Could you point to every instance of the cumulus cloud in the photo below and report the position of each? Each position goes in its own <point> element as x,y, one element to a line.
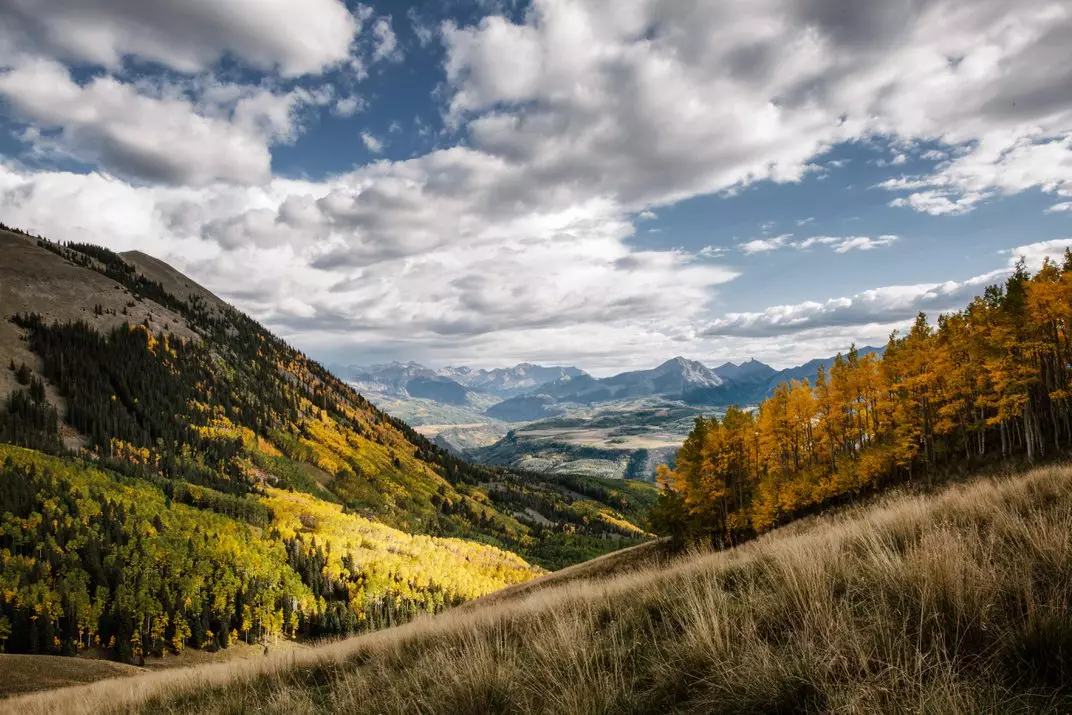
<point>1002,163</point>
<point>938,203</point>
<point>295,36</point>
<point>582,92</point>
<point>425,32</point>
<point>169,137</point>
<point>1060,207</point>
<point>1035,253</point>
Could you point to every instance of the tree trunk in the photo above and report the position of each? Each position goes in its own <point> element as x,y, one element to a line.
<point>1029,436</point>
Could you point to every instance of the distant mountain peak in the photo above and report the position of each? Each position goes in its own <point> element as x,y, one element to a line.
<point>750,370</point>
<point>682,363</point>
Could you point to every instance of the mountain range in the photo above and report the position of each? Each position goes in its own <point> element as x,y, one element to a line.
<point>453,385</point>
<point>527,392</point>
<point>676,379</point>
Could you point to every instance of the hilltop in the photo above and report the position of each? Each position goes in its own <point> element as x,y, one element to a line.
<point>953,602</point>
<point>149,414</point>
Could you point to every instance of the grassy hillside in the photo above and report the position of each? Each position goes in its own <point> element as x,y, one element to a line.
<point>127,372</point>
<point>959,602</point>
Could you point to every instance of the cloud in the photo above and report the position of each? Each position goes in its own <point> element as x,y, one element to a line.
<point>163,137</point>
<point>425,33</point>
<point>844,244</point>
<point>938,203</point>
<point>372,143</point>
<point>764,245</point>
<point>647,215</point>
<point>1063,206</point>
<point>1035,253</point>
<point>189,36</point>
<point>999,164</point>
<point>712,251</point>
<point>386,42</point>
<point>840,244</point>
<point>583,96</point>
<point>348,106</point>
<point>386,251</point>
<point>880,306</point>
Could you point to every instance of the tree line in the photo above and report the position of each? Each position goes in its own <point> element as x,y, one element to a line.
<point>990,382</point>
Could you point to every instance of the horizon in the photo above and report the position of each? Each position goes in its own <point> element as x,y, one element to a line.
<point>606,372</point>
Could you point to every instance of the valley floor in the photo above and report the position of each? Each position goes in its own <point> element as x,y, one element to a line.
<point>957,602</point>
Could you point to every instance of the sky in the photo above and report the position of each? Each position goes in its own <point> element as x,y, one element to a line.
<point>605,183</point>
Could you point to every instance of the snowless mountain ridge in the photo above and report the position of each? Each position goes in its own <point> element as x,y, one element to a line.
<point>678,378</point>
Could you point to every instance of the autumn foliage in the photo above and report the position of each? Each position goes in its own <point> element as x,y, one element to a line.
<point>989,382</point>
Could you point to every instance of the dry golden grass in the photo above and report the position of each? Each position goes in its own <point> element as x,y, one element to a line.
<point>959,602</point>
<point>28,673</point>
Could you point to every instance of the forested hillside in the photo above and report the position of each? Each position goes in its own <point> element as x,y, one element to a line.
<point>94,559</point>
<point>988,383</point>
<point>173,419</point>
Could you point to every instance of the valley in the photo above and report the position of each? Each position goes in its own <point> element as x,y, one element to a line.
<point>619,427</point>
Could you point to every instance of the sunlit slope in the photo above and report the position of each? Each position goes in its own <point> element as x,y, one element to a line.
<point>958,602</point>
<point>146,574</point>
